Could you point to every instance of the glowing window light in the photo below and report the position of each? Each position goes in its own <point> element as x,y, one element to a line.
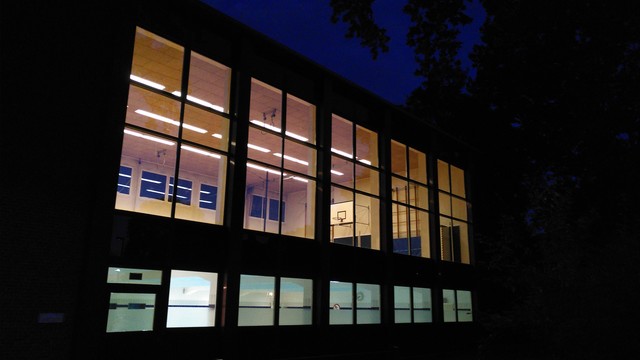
<point>277,129</point>
<point>258,167</point>
<point>259,148</point>
<point>199,151</point>
<point>336,172</point>
<point>148,137</point>
<point>200,101</point>
<point>169,121</point>
<point>217,136</point>
<point>150,83</point>
<point>291,158</point>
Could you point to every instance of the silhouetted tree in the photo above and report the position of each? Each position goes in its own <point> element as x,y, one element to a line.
<point>555,109</point>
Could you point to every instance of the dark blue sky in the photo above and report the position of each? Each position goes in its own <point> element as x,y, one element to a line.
<point>305,27</point>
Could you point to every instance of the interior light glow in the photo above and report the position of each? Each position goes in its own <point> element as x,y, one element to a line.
<point>277,129</point>
<point>180,187</point>
<point>151,181</point>
<point>124,186</point>
<point>291,158</point>
<point>340,152</point>
<point>259,148</point>
<point>155,191</point>
<point>205,192</point>
<point>266,126</point>
<point>124,175</point>
<point>365,161</point>
<point>206,201</point>
<point>217,136</point>
<point>200,151</point>
<point>337,172</point>
<point>200,101</point>
<point>150,83</point>
<point>148,137</point>
<point>258,167</point>
<point>170,121</point>
<point>300,179</point>
<point>296,136</point>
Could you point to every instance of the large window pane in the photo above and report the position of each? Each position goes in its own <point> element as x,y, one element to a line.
<point>263,146</point>
<point>461,239</point>
<point>262,182</point>
<point>192,299</point>
<point>464,307</point>
<point>207,172</point>
<point>449,305</point>
<point>367,216</point>
<point>342,137</point>
<point>209,83</point>
<point>299,158</point>
<point>398,159</point>
<point>157,62</point>
<point>296,297</point>
<point>266,106</point>
<point>400,223</point>
<point>366,146</point>
<point>342,216</point>
<point>367,180</point>
<point>130,312</point>
<point>457,181</point>
<point>205,128</point>
<point>402,304</point>
<point>301,120</point>
<point>342,171</point>
<point>299,196</point>
<point>256,300</point>
<point>417,166</point>
<point>368,303</point>
<point>154,112</point>
<point>341,303</point>
<point>420,233</point>
<point>443,176</point>
<point>422,305</point>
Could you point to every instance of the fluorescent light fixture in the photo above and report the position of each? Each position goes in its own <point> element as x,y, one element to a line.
<point>199,151</point>
<point>266,126</point>
<point>124,175</point>
<point>291,158</point>
<point>200,101</point>
<point>258,167</point>
<point>205,192</point>
<point>300,179</point>
<point>155,191</point>
<point>296,136</point>
<point>169,121</point>
<point>259,148</point>
<point>151,181</point>
<point>340,152</point>
<point>150,83</point>
<point>217,136</point>
<point>124,186</point>
<point>346,154</point>
<point>206,201</point>
<point>337,172</point>
<point>179,187</point>
<point>277,129</point>
<point>148,137</point>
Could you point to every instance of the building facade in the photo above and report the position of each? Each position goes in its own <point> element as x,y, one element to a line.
<point>245,203</point>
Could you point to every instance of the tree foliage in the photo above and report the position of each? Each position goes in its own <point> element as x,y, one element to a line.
<point>555,109</point>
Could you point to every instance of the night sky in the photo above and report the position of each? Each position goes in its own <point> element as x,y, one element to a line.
<point>305,27</point>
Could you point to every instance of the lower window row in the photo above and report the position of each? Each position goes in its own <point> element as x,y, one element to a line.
<point>268,300</point>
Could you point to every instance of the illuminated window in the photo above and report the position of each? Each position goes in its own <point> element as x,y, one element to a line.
<point>281,164</point>
<point>412,304</point>
<point>259,294</point>
<point>164,127</point>
<point>343,296</point>
<point>410,201</point>
<point>457,305</point>
<point>355,202</point>
<point>192,299</point>
<point>454,222</point>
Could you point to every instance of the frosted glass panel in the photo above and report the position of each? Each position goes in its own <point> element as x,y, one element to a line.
<point>402,304</point>
<point>256,300</point>
<point>296,296</point>
<point>464,307</point>
<point>368,303</point>
<point>130,312</point>
<point>449,305</point>
<point>422,305</point>
<point>341,302</point>
<point>192,299</point>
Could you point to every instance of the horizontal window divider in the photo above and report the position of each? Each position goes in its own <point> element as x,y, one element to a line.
<point>210,306</point>
<point>204,147</point>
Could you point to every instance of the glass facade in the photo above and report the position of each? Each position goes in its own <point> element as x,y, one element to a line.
<point>355,185</point>
<point>454,223</point>
<point>281,163</point>
<point>410,201</point>
<point>179,136</point>
<point>169,135</point>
